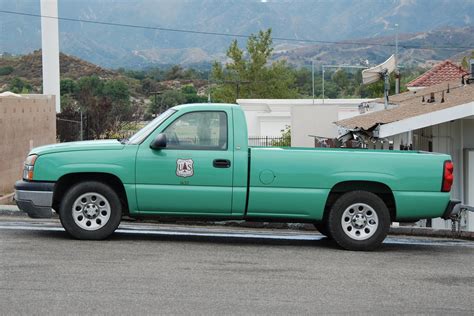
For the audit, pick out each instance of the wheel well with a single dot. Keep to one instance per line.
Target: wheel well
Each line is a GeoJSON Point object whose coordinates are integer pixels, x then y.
{"type": "Point", "coordinates": [68, 180]}
{"type": "Point", "coordinates": [380, 189]}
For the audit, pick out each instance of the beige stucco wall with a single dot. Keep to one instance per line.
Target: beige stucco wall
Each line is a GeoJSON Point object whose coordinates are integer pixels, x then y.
{"type": "Point", "coordinates": [26, 121]}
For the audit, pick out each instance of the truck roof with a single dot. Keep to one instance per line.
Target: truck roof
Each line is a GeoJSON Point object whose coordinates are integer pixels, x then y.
{"type": "Point", "coordinates": [206, 106]}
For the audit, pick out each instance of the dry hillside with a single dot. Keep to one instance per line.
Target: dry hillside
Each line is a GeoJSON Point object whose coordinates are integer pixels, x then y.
{"type": "Point", "coordinates": [29, 68]}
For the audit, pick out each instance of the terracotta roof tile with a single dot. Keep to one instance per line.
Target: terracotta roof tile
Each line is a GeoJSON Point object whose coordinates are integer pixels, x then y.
{"type": "Point", "coordinates": [442, 72]}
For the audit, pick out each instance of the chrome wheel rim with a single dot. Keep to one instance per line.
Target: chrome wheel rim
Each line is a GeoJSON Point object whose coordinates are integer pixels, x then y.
{"type": "Point", "coordinates": [91, 211]}
{"type": "Point", "coordinates": [359, 221]}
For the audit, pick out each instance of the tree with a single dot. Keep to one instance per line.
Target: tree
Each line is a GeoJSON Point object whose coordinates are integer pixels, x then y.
{"type": "Point", "coordinates": [465, 61]}
{"type": "Point", "coordinates": [18, 85]}
{"type": "Point", "coordinates": [149, 86]}
{"type": "Point", "coordinates": [340, 79]}
{"type": "Point", "coordinates": [303, 81]}
{"type": "Point", "coordinates": [190, 93]}
{"type": "Point", "coordinates": [176, 72]}
{"type": "Point", "coordinates": [4, 71]}
{"type": "Point", "coordinates": [67, 86]}
{"type": "Point", "coordinates": [285, 140]}
{"type": "Point", "coordinates": [188, 89]}
{"type": "Point", "coordinates": [68, 127]}
{"type": "Point", "coordinates": [117, 95]}
{"type": "Point", "coordinates": [331, 90]}
{"type": "Point", "coordinates": [116, 91]}
{"type": "Point", "coordinates": [160, 103]}
{"type": "Point", "coordinates": [106, 104]}
{"type": "Point", "coordinates": [248, 74]}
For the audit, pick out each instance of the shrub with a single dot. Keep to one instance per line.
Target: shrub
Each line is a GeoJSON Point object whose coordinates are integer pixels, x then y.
{"type": "Point", "coordinates": [4, 71]}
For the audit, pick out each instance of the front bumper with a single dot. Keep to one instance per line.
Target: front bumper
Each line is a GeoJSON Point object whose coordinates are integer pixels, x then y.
{"type": "Point", "coordinates": [35, 198]}
{"type": "Point", "coordinates": [454, 208]}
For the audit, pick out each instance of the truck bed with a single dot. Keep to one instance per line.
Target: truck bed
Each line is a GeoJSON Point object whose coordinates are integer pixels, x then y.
{"type": "Point", "coordinates": [304, 177]}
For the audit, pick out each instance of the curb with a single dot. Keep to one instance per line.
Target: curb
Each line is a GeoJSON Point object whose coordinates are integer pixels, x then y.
{"type": "Point", "coordinates": [6, 198]}
{"type": "Point", "coordinates": [429, 232]}
{"type": "Point", "coordinates": [12, 210]}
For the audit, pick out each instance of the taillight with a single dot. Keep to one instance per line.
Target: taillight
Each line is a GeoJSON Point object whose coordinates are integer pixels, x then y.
{"type": "Point", "coordinates": [448, 176]}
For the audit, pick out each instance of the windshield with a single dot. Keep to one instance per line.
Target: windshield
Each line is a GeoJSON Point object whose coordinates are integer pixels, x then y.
{"type": "Point", "coordinates": [139, 136]}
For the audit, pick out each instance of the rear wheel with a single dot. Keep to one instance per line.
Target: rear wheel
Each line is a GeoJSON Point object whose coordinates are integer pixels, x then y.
{"type": "Point", "coordinates": [90, 210]}
{"type": "Point", "coordinates": [359, 220]}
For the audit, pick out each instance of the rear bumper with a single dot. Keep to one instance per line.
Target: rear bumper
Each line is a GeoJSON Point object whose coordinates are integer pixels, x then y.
{"type": "Point", "coordinates": [454, 208]}
{"type": "Point", "coordinates": [35, 198]}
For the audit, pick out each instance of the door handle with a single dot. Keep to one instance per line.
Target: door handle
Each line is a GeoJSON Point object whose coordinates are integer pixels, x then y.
{"type": "Point", "coordinates": [221, 163]}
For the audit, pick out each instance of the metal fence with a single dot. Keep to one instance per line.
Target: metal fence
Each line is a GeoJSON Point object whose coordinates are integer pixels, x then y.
{"type": "Point", "coordinates": [68, 129]}
{"type": "Point", "coordinates": [266, 141]}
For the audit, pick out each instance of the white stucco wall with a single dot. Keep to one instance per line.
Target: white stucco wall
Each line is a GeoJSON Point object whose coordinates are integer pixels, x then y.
{"type": "Point", "coordinates": [315, 120]}
{"type": "Point", "coordinates": [261, 123]}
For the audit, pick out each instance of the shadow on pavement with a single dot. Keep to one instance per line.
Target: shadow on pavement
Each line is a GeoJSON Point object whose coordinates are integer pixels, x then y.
{"type": "Point", "coordinates": [391, 244]}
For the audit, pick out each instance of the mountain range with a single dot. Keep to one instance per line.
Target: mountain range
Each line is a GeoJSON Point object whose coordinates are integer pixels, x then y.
{"type": "Point", "coordinates": [420, 22]}
{"type": "Point", "coordinates": [376, 50]}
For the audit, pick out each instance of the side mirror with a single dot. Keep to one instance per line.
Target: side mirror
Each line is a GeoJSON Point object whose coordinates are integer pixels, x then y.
{"type": "Point", "coordinates": [159, 142]}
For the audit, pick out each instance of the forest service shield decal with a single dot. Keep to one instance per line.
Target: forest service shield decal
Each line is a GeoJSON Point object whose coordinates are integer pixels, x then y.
{"type": "Point", "coordinates": [184, 168]}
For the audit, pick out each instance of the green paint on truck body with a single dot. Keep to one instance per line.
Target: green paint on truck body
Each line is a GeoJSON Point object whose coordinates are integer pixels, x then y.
{"type": "Point", "coordinates": [271, 183]}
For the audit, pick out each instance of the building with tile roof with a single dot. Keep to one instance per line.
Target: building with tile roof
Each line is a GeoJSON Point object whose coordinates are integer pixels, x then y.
{"type": "Point", "coordinates": [442, 72]}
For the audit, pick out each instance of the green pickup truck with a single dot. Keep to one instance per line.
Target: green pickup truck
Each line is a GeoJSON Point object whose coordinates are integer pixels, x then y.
{"type": "Point", "coordinates": [194, 162]}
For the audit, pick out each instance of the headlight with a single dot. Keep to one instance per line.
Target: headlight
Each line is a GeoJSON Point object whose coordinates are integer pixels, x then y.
{"type": "Point", "coordinates": [29, 167]}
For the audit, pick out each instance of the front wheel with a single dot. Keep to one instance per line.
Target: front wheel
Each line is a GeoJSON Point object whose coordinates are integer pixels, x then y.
{"type": "Point", "coordinates": [90, 210]}
{"type": "Point", "coordinates": [359, 220]}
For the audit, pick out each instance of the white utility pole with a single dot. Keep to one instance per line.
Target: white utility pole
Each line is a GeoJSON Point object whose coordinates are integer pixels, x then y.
{"type": "Point", "coordinates": [323, 72]}
{"type": "Point", "coordinates": [396, 45]}
{"type": "Point", "coordinates": [50, 49]}
{"type": "Point", "coordinates": [397, 72]}
{"type": "Point", "coordinates": [312, 76]}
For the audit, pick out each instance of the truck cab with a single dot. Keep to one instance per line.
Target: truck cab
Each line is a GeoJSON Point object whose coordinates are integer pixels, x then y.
{"type": "Point", "coordinates": [202, 150]}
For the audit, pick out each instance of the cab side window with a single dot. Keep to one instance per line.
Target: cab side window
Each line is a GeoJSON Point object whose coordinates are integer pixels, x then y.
{"type": "Point", "coordinates": [198, 131]}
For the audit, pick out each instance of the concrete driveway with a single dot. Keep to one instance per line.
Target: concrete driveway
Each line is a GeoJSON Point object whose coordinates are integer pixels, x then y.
{"type": "Point", "coordinates": [169, 269]}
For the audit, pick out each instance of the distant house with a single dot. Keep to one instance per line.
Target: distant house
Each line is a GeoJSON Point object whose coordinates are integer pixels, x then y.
{"type": "Point", "coordinates": [438, 118]}
{"type": "Point", "coordinates": [442, 72]}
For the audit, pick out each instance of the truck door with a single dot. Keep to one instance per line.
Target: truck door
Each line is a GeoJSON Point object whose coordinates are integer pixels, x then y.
{"type": "Point", "coordinates": [193, 174]}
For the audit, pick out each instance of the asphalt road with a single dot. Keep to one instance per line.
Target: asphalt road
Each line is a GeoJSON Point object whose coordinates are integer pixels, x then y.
{"type": "Point", "coordinates": [167, 269]}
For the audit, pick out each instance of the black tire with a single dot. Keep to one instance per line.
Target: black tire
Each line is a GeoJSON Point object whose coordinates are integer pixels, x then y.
{"type": "Point", "coordinates": [352, 210]}
{"type": "Point", "coordinates": [113, 211]}
{"type": "Point", "coordinates": [323, 228]}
